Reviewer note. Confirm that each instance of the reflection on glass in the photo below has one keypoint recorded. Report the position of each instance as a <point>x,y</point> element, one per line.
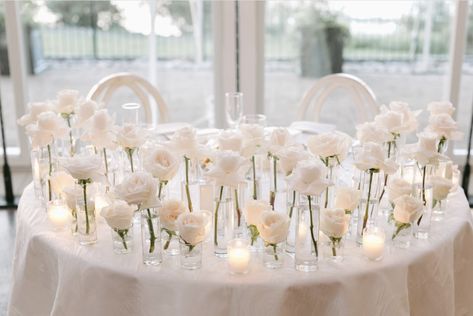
<point>234,108</point>
<point>131,113</point>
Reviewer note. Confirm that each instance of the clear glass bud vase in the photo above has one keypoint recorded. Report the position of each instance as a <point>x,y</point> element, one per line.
<point>224,219</point>
<point>371,185</point>
<point>333,165</point>
<point>191,256</point>
<point>85,208</point>
<point>190,186</point>
<point>43,164</point>
<point>273,255</point>
<point>423,191</point>
<point>307,234</point>
<point>277,185</point>
<point>122,240</point>
<point>151,237</point>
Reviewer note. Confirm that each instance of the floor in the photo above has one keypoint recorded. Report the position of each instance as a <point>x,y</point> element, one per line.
<point>7,237</point>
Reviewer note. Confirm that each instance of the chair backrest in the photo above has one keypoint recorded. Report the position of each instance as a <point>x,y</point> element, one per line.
<point>314,99</point>
<point>104,89</point>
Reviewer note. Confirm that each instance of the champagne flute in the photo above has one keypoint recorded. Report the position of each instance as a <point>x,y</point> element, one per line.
<point>234,108</point>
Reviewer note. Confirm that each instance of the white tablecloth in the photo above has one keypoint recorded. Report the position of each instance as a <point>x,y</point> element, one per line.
<point>53,275</point>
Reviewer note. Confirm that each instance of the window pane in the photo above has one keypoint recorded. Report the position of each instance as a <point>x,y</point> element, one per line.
<point>385,43</point>
<point>74,44</point>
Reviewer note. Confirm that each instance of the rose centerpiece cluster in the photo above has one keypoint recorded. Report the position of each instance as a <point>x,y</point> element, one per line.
<point>274,193</point>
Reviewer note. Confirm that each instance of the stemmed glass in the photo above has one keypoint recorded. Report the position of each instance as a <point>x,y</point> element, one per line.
<point>234,108</point>
<point>131,113</point>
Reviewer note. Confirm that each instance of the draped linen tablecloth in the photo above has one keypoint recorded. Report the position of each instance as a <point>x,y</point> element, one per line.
<point>54,275</point>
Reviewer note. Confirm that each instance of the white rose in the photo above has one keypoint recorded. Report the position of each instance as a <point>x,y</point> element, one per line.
<point>334,222</point>
<point>230,140</point>
<point>273,227</point>
<point>407,209</point>
<point>131,136</point>
<point>425,151</point>
<point>308,177</point>
<point>185,143</point>
<point>138,188</point>
<point>48,127</point>
<point>409,118</point>
<point>370,156</point>
<point>161,163</point>
<point>60,180</point>
<point>84,111</point>
<point>290,156</point>
<point>253,210</point>
<point>440,107</point>
<point>444,126</point>
<point>279,140</point>
<point>169,212</point>
<point>347,198</point>
<point>390,120</point>
<point>440,187</point>
<point>119,215</point>
<point>398,187</point>
<point>191,227</point>
<point>82,167</point>
<point>228,169</point>
<point>34,110</point>
<point>372,132</point>
<point>330,145</point>
<point>253,139</point>
<point>100,130</point>
<point>66,101</point>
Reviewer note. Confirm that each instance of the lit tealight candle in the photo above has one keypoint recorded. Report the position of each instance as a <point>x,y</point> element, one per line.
<point>373,243</point>
<point>59,214</point>
<point>238,256</point>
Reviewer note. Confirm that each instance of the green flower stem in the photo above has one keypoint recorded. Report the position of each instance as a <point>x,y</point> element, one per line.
<point>237,207</point>
<point>122,233</point>
<point>365,218</point>
<point>162,184</point>
<point>216,216</point>
<point>293,203</point>
<point>152,236</point>
<point>170,234</point>
<point>399,227</point>
<point>50,172</point>
<point>129,152</point>
<point>275,252</point>
<point>254,233</point>
<point>83,183</point>
<point>71,141</point>
<point>424,200</point>
<point>314,242</point>
<point>188,193</point>
<point>253,166</point>
<point>335,241</point>
<point>442,142</point>
<point>272,193</point>
<point>105,160</point>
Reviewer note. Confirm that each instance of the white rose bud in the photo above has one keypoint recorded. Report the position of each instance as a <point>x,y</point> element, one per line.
<point>228,169</point>
<point>66,101</point>
<point>84,111</point>
<point>334,222</point>
<point>308,177</point>
<point>230,140</point>
<point>290,156</point>
<point>119,214</point>
<point>407,209</point>
<point>273,227</point>
<point>398,187</point>
<point>161,163</point>
<point>440,187</point>
<point>253,210</point>
<point>140,188</point>
<point>169,212</point>
<point>347,198</point>
<point>440,107</point>
<point>131,136</point>
<point>330,145</point>
<point>83,167</point>
<point>34,110</point>
<point>371,132</point>
<point>191,227</point>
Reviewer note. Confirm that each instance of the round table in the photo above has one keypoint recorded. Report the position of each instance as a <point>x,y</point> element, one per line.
<point>54,275</point>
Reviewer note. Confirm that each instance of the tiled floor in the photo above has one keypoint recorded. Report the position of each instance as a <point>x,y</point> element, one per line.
<point>7,237</point>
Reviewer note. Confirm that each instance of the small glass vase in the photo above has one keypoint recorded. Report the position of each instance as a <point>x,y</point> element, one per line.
<point>122,240</point>
<point>170,241</point>
<point>273,256</point>
<point>43,164</point>
<point>224,220</point>
<point>277,185</point>
<point>307,235</point>
<point>401,235</point>
<point>422,225</point>
<point>438,210</point>
<point>333,165</point>
<point>191,255</point>
<point>254,176</point>
<point>151,237</point>
<point>86,223</point>
<point>292,206</point>
<point>334,249</point>
<point>371,184</point>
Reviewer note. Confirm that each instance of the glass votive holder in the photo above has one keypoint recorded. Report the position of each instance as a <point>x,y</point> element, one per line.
<point>373,243</point>
<point>238,256</point>
<point>256,119</point>
<point>131,113</point>
<point>59,214</point>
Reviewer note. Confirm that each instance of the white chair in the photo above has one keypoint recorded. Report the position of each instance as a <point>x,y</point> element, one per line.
<point>104,89</point>
<point>315,98</point>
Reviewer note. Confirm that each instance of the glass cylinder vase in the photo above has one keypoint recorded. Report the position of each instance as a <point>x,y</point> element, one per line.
<point>438,210</point>
<point>333,165</point>
<point>85,209</point>
<point>224,220</point>
<point>151,237</point>
<point>277,185</point>
<point>122,240</point>
<point>292,204</point>
<point>273,255</point>
<point>307,234</point>
<point>334,249</point>
<point>402,234</point>
<point>371,184</point>
<point>190,255</point>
